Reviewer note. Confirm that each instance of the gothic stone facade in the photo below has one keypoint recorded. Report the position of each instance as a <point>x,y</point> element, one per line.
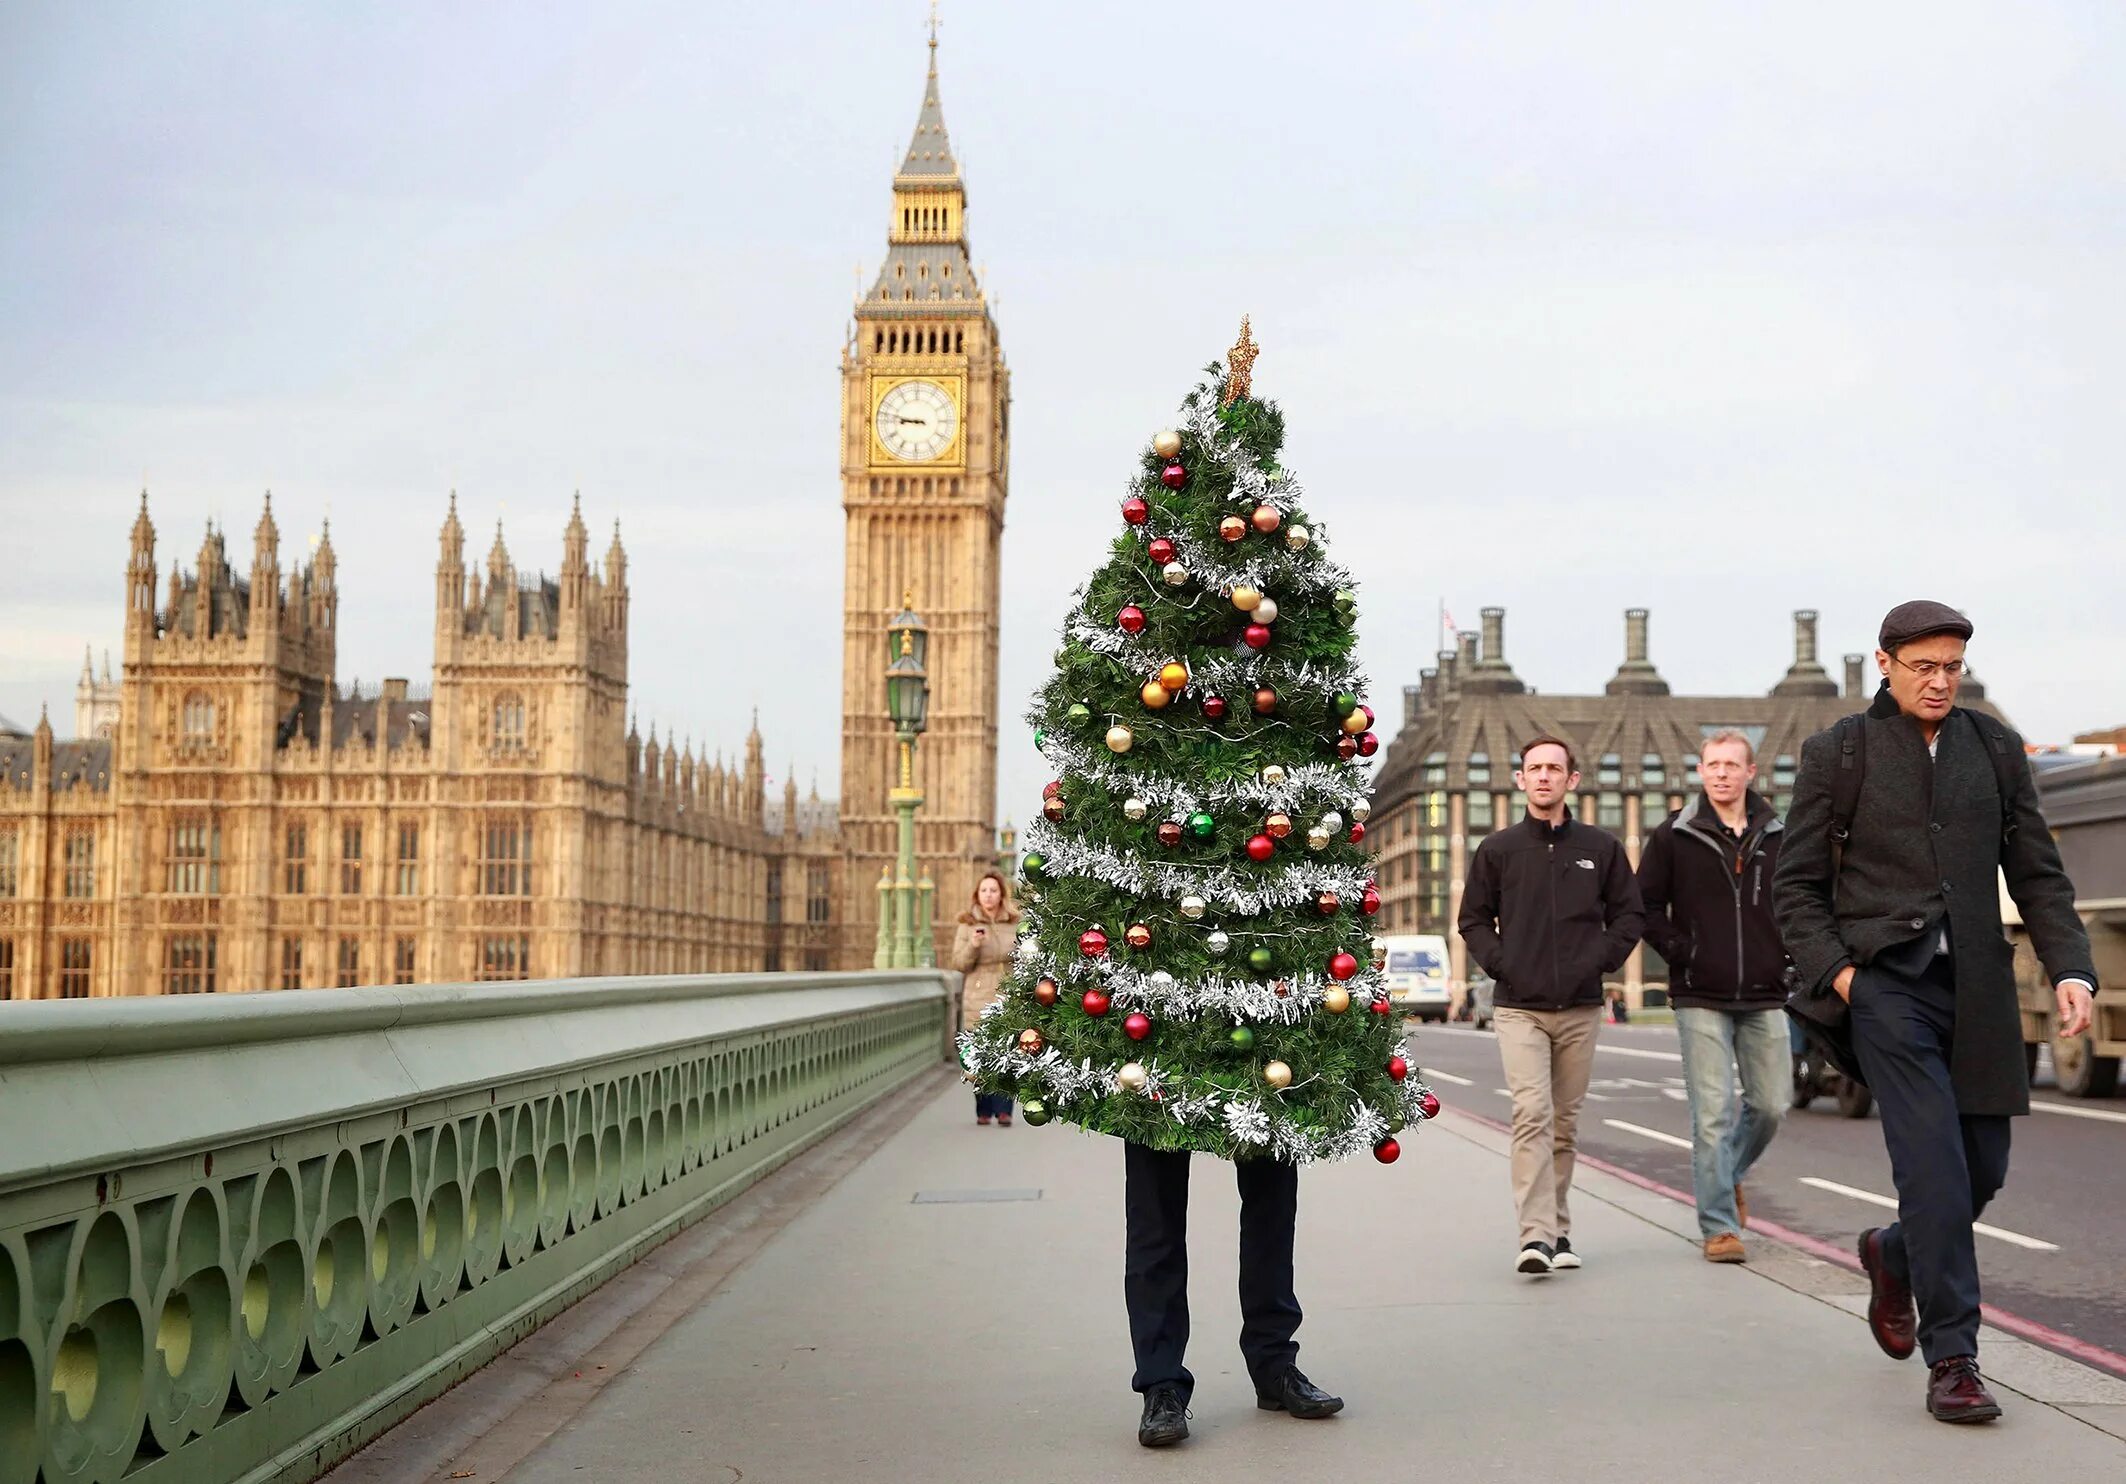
<point>245,825</point>
<point>1447,779</point>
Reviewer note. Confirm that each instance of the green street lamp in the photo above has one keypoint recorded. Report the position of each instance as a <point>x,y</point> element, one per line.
<point>904,934</point>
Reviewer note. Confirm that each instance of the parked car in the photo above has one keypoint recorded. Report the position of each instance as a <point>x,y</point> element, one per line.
<point>1416,970</point>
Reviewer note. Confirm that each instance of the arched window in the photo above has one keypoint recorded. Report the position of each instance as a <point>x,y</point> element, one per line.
<point>509,720</point>
<point>198,717</point>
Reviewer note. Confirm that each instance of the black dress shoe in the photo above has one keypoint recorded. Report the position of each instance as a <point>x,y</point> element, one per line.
<point>1957,1393</point>
<point>1165,1419</point>
<point>1292,1392</point>
<point>1892,1318</point>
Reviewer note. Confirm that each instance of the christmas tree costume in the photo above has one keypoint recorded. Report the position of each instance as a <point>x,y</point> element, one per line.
<point>1194,971</point>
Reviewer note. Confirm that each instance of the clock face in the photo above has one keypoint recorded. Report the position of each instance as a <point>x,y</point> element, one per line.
<point>916,421</point>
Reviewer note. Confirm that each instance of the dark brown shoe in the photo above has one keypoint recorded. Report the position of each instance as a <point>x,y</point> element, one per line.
<point>1957,1393</point>
<point>1892,1319</point>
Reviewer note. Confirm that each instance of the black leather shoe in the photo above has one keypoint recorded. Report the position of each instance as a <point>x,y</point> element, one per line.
<point>1892,1317</point>
<point>1165,1419</point>
<point>1957,1393</point>
<point>1292,1392</point>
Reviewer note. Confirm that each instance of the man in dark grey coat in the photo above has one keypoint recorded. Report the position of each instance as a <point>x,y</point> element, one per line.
<point>1901,920</point>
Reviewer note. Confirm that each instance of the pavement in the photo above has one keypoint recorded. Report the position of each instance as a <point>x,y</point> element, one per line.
<point>923,1299</point>
<point>2052,1244</point>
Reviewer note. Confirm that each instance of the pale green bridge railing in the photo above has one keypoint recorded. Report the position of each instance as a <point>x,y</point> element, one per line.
<point>242,1235</point>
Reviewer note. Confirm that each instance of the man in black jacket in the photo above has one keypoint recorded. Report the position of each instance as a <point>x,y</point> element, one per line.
<point>1705,877</point>
<point>1900,919</point>
<point>1549,908</point>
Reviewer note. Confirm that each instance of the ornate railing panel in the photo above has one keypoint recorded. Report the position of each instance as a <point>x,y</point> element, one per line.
<point>241,1235</point>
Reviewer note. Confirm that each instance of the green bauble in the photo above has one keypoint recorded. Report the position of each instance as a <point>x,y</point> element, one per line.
<point>1035,1110</point>
<point>1080,713</point>
<point>1040,737</point>
<point>1201,825</point>
<point>1346,703</point>
<point>1345,600</point>
<point>1243,1038</point>
<point>1036,863</point>
<point>1259,960</point>
<point>966,1057</point>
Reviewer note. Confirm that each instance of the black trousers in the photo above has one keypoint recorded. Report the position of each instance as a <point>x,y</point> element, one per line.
<point>1947,1165</point>
<point>1155,1266</point>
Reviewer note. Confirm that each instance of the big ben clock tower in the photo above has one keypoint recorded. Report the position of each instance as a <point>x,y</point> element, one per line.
<point>925,438</point>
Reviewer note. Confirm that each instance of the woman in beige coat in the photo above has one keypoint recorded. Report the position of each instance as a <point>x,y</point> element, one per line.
<point>981,950</point>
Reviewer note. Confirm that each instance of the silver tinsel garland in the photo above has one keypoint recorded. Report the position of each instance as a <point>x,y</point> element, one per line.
<point>1342,784</point>
<point>1235,675</point>
<point>1130,988</point>
<point>1247,893</point>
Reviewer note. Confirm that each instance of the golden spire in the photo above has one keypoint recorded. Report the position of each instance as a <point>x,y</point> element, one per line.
<point>1240,365</point>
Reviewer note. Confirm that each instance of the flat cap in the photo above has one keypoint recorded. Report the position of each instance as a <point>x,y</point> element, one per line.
<point>1919,618</point>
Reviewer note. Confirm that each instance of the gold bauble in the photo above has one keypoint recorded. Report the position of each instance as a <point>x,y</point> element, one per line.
<point>1044,993</point>
<point>1174,574</point>
<point>1273,774</point>
<point>1277,1074</point>
<point>1173,675</point>
<point>1317,838</point>
<point>1266,519</point>
<point>1031,1041</point>
<point>1361,809</point>
<point>1297,537</point>
<point>1119,739</point>
<point>1336,999</point>
<point>1166,443</point>
<point>1131,1075</point>
<point>1232,528</point>
<point>1356,723</point>
<point>1154,695</point>
<point>1245,598</point>
<point>1137,935</point>
<point>1193,907</point>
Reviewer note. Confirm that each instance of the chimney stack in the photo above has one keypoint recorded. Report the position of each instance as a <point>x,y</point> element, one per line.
<point>1855,679</point>
<point>1494,636</point>
<point>1465,652</point>
<point>1491,674</point>
<point>1413,704</point>
<point>1637,675</point>
<point>1805,677</point>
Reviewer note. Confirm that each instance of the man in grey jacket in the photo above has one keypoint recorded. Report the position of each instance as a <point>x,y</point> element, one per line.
<point>1901,823</point>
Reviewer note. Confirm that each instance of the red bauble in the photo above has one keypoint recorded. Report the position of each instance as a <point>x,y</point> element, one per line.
<point>1052,788</point>
<point>1397,1069</point>
<point>1169,834</point>
<point>1343,966</point>
<point>1387,1151</point>
<point>1052,808</point>
<point>1138,1026</point>
<point>1138,935</point>
<point>1214,707</point>
<point>1232,528</point>
<point>1381,1007</point>
<point>1368,710</point>
<point>1358,833</point>
<point>1261,848</point>
<point>1265,701</point>
<point>1428,1104</point>
<point>1130,620</point>
<point>1136,511</point>
<point>1173,476</point>
<point>1370,902</point>
<point>1368,744</point>
<point>1095,1002</point>
<point>1160,551</point>
<point>1327,904</point>
<point>1347,747</point>
<point>1256,636</point>
<point>1092,942</point>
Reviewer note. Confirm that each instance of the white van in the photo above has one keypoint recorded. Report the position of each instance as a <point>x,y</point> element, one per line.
<point>1416,968</point>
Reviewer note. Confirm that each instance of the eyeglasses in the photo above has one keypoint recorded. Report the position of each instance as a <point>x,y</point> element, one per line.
<point>1928,669</point>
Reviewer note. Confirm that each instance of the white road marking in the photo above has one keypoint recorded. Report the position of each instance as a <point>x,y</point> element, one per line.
<point>2104,1114</point>
<point>1999,1233</point>
<point>1435,1072</point>
<point>1453,1030</point>
<point>1648,1133</point>
<point>1504,1092</point>
<point>1679,1094</point>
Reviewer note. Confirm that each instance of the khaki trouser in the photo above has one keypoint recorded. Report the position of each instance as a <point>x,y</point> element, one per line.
<point>1548,1056</point>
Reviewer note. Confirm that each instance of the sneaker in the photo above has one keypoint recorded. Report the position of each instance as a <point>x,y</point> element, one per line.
<point>1563,1256</point>
<point>1535,1259</point>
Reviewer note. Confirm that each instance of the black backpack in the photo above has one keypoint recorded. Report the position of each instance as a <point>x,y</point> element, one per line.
<point>1853,770</point>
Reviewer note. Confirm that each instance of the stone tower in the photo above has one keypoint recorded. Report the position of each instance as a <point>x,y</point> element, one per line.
<point>925,442</point>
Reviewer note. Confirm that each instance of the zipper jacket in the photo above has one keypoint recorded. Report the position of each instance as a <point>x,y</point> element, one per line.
<point>1708,896</point>
<point>1548,910</point>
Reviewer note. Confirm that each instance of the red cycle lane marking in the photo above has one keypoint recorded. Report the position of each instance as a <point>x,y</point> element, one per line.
<point>2015,1324</point>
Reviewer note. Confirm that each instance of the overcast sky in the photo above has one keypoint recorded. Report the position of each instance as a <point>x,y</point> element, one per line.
<point>1720,309</point>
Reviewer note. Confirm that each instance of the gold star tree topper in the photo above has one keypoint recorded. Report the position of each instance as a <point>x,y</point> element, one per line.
<point>1240,365</point>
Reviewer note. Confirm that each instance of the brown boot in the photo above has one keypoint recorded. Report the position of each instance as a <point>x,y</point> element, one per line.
<point>1742,1207</point>
<point>1726,1247</point>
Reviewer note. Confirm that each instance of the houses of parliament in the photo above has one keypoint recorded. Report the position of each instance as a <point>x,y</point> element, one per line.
<point>230,819</point>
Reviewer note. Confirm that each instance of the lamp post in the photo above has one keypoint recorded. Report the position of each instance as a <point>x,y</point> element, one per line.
<point>908,704</point>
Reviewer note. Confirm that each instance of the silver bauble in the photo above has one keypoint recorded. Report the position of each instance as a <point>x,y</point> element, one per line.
<point>1192,907</point>
<point>1361,810</point>
<point>1132,1076</point>
<point>1134,807</point>
<point>1218,943</point>
<point>1175,574</point>
<point>1297,537</point>
<point>1266,611</point>
<point>1332,821</point>
<point>1274,774</point>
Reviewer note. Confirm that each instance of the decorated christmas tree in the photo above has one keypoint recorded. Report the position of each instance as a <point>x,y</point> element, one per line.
<point>1195,966</point>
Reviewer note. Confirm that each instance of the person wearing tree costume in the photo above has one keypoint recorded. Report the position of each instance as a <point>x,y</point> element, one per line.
<point>1194,970</point>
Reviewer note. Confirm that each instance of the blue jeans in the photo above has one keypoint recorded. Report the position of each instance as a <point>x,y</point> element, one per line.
<point>992,1105</point>
<point>1726,1139</point>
